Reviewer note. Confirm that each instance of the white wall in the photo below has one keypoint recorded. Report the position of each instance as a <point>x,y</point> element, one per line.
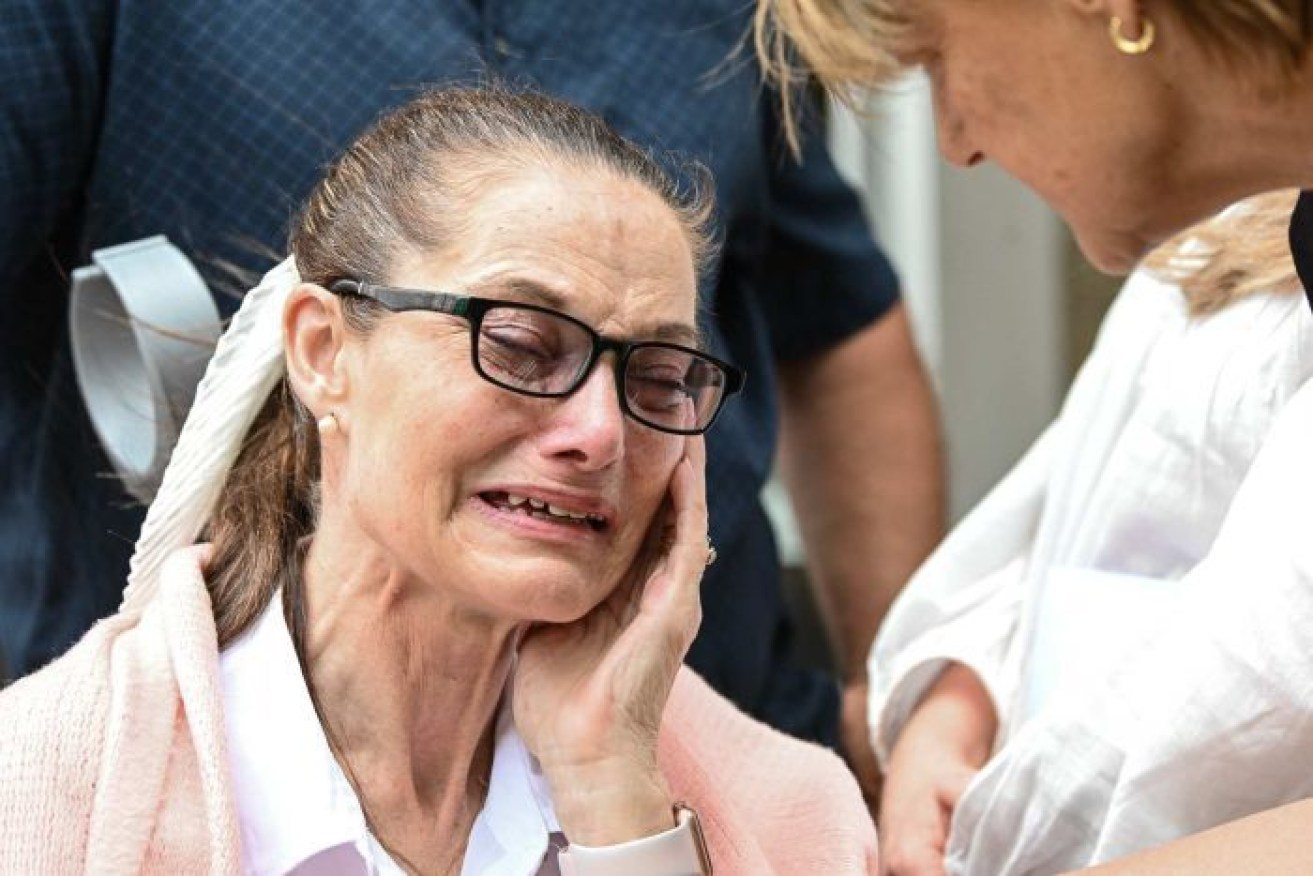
<point>982,267</point>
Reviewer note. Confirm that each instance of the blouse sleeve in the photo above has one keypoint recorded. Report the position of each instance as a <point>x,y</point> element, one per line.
<point>964,604</point>
<point>1211,721</point>
<point>968,604</point>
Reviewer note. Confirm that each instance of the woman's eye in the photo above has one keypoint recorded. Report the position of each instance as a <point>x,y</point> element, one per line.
<point>519,342</point>
<point>658,390</point>
<point>519,356</point>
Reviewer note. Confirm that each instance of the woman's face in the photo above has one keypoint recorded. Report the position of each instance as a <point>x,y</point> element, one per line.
<point>1038,88</point>
<point>434,453</point>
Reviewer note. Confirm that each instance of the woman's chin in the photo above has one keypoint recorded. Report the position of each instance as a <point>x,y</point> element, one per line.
<point>555,598</point>
<point>1116,253</point>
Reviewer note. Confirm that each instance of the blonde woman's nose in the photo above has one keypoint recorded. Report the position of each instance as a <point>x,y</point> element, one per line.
<point>955,142</point>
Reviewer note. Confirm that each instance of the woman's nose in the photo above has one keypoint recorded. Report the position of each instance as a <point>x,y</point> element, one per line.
<point>954,141</point>
<point>588,427</point>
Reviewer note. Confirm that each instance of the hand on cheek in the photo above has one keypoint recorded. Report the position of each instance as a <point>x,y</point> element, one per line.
<point>589,695</point>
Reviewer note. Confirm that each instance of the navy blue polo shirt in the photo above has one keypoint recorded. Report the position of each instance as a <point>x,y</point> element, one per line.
<point>209,121</point>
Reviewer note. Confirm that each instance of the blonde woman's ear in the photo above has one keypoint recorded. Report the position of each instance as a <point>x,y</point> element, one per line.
<point>1123,21</point>
<point>1129,11</point>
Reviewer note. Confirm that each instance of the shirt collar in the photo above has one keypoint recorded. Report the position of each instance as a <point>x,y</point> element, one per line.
<point>293,801</point>
<point>511,834</point>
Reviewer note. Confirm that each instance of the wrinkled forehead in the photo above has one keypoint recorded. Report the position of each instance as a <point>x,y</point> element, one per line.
<point>589,242</point>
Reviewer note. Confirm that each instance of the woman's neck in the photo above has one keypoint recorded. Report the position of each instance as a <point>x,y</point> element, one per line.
<point>407,687</point>
<point>1250,138</point>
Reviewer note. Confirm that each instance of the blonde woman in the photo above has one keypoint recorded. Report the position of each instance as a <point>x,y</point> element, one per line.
<point>1135,119</point>
<point>1022,679</point>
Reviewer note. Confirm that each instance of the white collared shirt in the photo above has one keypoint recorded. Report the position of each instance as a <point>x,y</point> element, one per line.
<point>1136,595</point>
<point>299,814</point>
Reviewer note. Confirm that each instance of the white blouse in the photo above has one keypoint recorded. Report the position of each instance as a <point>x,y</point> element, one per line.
<point>299,815</point>
<point>1136,595</point>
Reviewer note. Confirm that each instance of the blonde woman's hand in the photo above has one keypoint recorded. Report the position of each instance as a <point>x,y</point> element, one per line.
<point>589,696</point>
<point>921,790</point>
<point>940,750</point>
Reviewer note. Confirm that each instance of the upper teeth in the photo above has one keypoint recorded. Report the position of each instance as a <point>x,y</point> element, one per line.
<point>516,501</point>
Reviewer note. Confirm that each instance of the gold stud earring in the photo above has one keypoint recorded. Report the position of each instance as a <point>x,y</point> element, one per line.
<point>327,423</point>
<point>1128,46</point>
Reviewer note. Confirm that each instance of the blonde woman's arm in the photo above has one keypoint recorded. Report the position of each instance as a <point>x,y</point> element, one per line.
<point>1275,843</point>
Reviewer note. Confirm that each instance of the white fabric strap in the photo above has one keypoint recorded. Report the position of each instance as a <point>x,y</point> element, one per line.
<point>247,364</point>
<point>673,853</point>
<point>142,325</point>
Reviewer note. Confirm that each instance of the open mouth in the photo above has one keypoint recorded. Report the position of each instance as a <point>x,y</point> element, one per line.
<point>543,510</point>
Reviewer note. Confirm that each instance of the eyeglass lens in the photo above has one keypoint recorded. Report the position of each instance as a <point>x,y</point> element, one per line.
<point>539,353</point>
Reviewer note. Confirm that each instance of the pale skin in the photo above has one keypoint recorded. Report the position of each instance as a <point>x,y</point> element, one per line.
<point>942,747</point>
<point>1130,150</point>
<point>1274,843</point>
<point>420,592</point>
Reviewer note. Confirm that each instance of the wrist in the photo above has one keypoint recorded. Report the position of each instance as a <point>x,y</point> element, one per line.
<point>607,804</point>
<point>680,849</point>
<point>956,718</point>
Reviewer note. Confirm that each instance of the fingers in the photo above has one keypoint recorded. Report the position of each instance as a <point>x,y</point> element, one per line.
<point>920,793</point>
<point>916,861</point>
<point>673,595</point>
<point>912,840</point>
<point>688,491</point>
<point>914,834</point>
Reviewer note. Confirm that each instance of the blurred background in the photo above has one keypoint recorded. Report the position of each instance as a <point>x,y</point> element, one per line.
<point>1003,304</point>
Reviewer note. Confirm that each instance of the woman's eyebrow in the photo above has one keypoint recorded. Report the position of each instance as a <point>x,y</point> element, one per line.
<point>677,333</point>
<point>520,289</point>
<point>531,292</point>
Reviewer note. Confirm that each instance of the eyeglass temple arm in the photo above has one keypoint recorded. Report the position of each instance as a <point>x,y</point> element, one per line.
<point>404,299</point>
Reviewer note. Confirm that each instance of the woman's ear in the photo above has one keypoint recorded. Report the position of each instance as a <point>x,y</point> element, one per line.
<point>1131,12</point>
<point>314,335</point>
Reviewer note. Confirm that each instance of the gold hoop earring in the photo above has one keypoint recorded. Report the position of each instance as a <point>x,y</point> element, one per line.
<point>327,423</point>
<point>1129,46</point>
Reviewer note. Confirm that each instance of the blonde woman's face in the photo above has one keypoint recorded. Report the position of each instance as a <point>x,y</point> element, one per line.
<point>1038,88</point>
<point>444,469</point>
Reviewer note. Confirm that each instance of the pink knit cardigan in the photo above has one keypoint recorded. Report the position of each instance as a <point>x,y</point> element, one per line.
<point>112,760</point>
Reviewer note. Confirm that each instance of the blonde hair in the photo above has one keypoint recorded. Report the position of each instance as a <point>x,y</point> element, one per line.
<point>846,45</point>
<point>852,45</point>
<point>1242,251</point>
<point>1267,38</point>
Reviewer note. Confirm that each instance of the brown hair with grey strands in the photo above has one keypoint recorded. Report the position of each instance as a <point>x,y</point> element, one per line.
<point>402,187</point>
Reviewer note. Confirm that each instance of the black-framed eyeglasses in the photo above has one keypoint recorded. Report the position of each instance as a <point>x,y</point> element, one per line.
<point>544,353</point>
